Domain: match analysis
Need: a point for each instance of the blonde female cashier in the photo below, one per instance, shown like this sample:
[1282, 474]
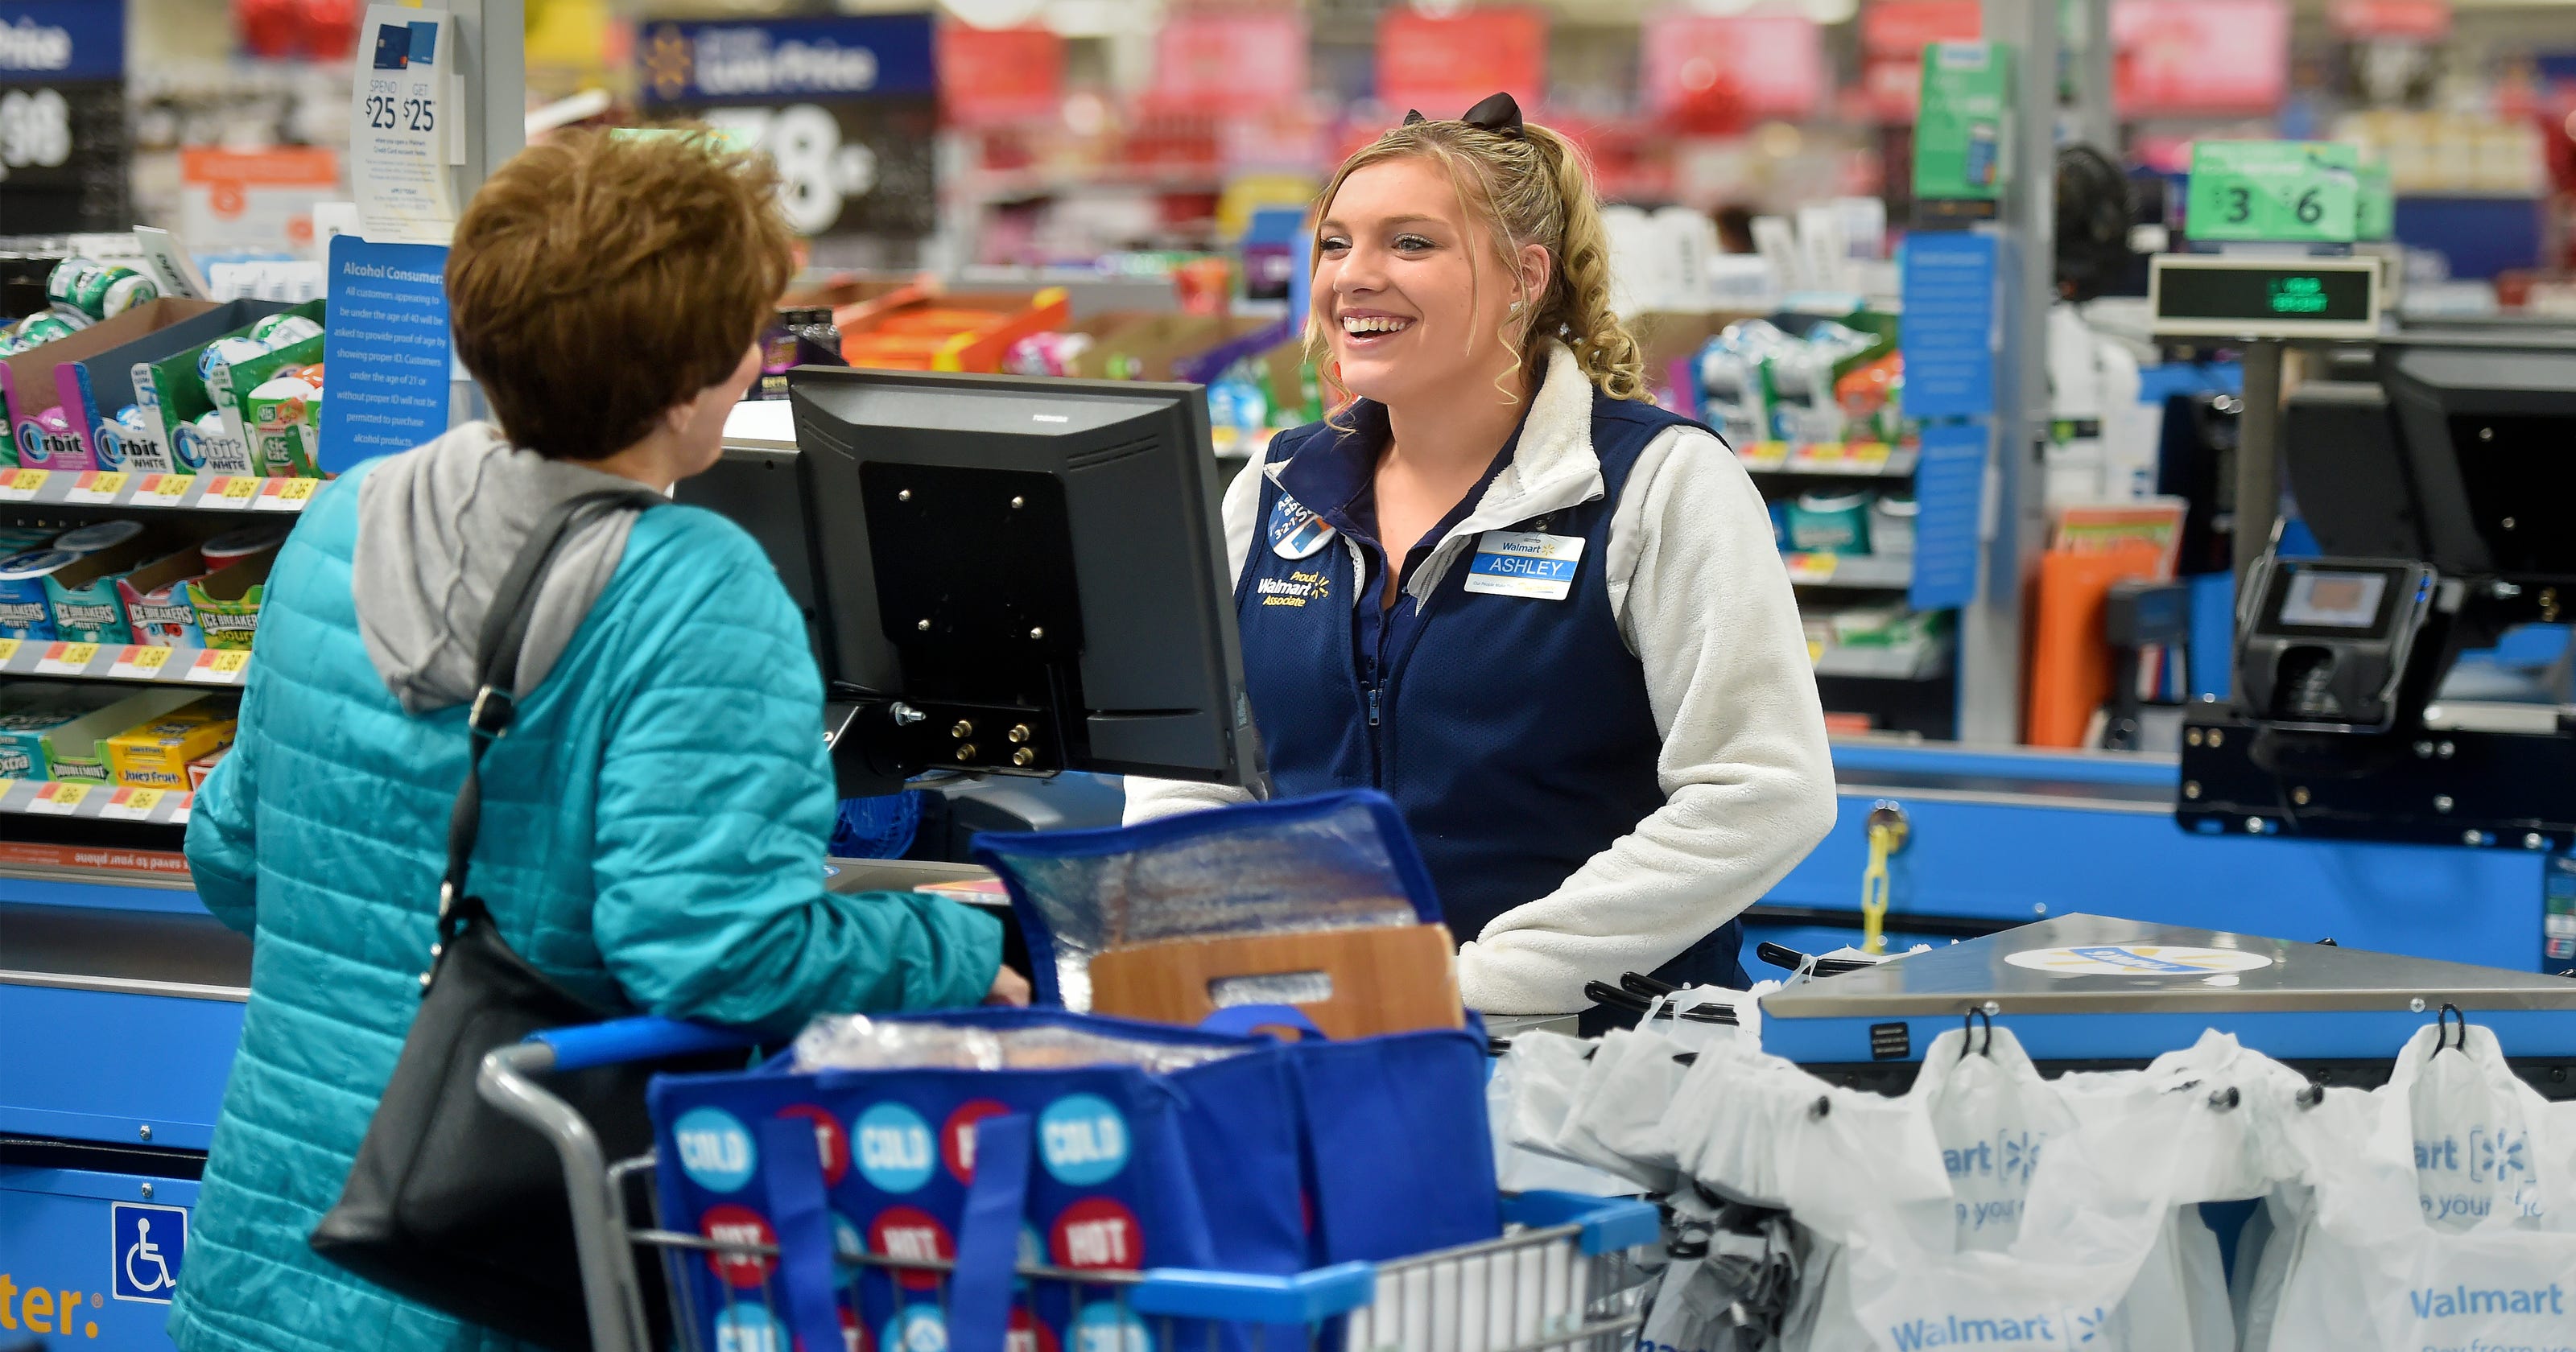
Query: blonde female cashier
[1544, 616]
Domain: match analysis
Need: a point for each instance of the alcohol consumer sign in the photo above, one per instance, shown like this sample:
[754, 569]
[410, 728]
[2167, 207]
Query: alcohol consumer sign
[2286, 191]
[847, 107]
[63, 145]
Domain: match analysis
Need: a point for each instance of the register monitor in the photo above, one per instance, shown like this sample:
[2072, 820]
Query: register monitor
[2439, 495]
[1019, 575]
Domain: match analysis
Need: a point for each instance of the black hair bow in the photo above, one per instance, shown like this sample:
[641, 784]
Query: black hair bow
[1498, 114]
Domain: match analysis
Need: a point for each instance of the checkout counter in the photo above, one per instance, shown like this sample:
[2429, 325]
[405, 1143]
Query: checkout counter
[123, 1000]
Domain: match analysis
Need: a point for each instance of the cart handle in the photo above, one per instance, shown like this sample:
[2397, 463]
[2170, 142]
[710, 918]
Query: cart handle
[1301, 1298]
[645, 1038]
[1609, 1223]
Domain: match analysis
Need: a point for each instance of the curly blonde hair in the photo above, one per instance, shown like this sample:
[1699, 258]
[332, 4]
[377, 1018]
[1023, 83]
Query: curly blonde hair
[1529, 188]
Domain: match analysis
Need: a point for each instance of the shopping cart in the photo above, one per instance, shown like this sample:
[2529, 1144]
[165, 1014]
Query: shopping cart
[1563, 1276]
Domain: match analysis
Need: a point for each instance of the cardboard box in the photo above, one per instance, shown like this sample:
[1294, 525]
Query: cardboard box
[156, 755]
[176, 395]
[29, 382]
[87, 606]
[100, 383]
[203, 766]
[52, 729]
[227, 601]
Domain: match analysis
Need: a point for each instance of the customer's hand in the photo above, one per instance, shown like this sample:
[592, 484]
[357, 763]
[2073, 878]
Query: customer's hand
[1009, 988]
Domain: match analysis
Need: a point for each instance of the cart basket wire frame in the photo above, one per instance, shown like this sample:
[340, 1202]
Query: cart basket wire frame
[1562, 1278]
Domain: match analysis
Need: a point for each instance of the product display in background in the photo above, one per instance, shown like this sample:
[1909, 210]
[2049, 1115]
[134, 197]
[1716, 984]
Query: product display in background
[64, 144]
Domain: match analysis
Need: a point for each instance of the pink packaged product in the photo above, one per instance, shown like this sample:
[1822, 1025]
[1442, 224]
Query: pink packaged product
[47, 441]
[156, 600]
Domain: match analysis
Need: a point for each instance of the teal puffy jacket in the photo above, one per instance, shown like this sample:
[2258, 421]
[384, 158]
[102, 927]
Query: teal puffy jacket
[653, 833]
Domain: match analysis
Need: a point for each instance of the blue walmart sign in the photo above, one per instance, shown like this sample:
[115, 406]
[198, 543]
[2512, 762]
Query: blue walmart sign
[51, 40]
[800, 58]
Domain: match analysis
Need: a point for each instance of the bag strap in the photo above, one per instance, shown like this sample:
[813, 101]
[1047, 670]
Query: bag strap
[496, 662]
[988, 1236]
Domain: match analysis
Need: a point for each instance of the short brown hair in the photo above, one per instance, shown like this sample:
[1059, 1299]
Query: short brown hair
[595, 281]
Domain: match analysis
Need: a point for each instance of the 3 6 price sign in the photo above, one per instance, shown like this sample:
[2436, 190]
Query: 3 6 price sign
[2289, 191]
[63, 146]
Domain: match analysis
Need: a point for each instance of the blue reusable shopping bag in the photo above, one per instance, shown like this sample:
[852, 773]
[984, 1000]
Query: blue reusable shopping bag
[1119, 1168]
[1398, 1157]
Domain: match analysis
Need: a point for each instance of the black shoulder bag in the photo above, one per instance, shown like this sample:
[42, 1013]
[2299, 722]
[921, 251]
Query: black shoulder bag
[450, 1203]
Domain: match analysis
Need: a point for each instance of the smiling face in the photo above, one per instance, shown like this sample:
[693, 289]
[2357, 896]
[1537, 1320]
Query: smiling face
[1409, 289]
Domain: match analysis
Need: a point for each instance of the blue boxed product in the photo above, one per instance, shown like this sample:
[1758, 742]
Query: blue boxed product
[25, 611]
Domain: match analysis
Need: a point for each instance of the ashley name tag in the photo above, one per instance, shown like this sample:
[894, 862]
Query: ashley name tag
[1525, 563]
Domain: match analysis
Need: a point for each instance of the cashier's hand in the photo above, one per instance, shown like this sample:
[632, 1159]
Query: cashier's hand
[1009, 988]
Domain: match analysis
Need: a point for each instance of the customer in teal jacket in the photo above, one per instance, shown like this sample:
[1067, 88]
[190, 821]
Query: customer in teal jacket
[653, 823]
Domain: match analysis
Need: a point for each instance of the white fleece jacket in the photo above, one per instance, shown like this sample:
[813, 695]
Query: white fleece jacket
[1704, 602]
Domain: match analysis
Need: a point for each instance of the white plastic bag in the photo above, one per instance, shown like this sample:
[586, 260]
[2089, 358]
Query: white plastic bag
[1527, 1098]
[2444, 1212]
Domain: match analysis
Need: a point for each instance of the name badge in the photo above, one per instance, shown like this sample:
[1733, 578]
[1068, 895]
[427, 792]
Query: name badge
[1296, 532]
[1525, 563]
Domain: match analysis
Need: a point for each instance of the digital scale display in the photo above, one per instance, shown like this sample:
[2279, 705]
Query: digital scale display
[2224, 297]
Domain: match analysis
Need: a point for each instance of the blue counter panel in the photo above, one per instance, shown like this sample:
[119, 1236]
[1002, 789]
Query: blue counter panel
[1979, 856]
[88, 1260]
[101, 896]
[97, 1066]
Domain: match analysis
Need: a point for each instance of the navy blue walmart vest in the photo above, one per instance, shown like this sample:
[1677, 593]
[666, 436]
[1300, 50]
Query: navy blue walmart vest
[1513, 731]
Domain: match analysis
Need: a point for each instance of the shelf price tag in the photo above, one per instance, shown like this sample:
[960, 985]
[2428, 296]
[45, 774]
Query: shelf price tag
[179, 814]
[97, 487]
[286, 495]
[9, 650]
[22, 485]
[2291, 191]
[1868, 456]
[133, 805]
[220, 666]
[66, 659]
[1813, 567]
[163, 490]
[139, 663]
[1763, 455]
[59, 797]
[229, 493]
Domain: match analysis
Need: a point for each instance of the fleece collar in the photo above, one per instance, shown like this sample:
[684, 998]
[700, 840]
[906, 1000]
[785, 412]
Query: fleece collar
[1550, 465]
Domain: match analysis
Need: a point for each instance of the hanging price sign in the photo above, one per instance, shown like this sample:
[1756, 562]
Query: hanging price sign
[63, 145]
[401, 117]
[2288, 191]
[846, 107]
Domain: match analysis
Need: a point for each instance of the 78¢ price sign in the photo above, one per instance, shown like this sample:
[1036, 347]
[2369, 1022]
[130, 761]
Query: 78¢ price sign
[844, 165]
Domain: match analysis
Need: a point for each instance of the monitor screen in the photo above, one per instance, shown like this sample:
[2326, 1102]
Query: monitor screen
[2333, 600]
[1033, 568]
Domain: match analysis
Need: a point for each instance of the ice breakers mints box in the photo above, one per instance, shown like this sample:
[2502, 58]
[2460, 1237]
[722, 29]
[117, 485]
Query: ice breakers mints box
[25, 610]
[155, 597]
[227, 602]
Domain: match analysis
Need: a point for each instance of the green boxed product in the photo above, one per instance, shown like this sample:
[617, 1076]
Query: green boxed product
[52, 730]
[183, 387]
[1963, 135]
[2288, 191]
[227, 601]
[87, 604]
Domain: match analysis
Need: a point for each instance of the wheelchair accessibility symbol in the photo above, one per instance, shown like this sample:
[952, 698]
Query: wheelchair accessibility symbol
[150, 1246]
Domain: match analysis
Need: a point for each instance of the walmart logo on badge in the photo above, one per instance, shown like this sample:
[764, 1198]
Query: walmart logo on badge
[895, 1148]
[1082, 1140]
[1530, 564]
[715, 1152]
